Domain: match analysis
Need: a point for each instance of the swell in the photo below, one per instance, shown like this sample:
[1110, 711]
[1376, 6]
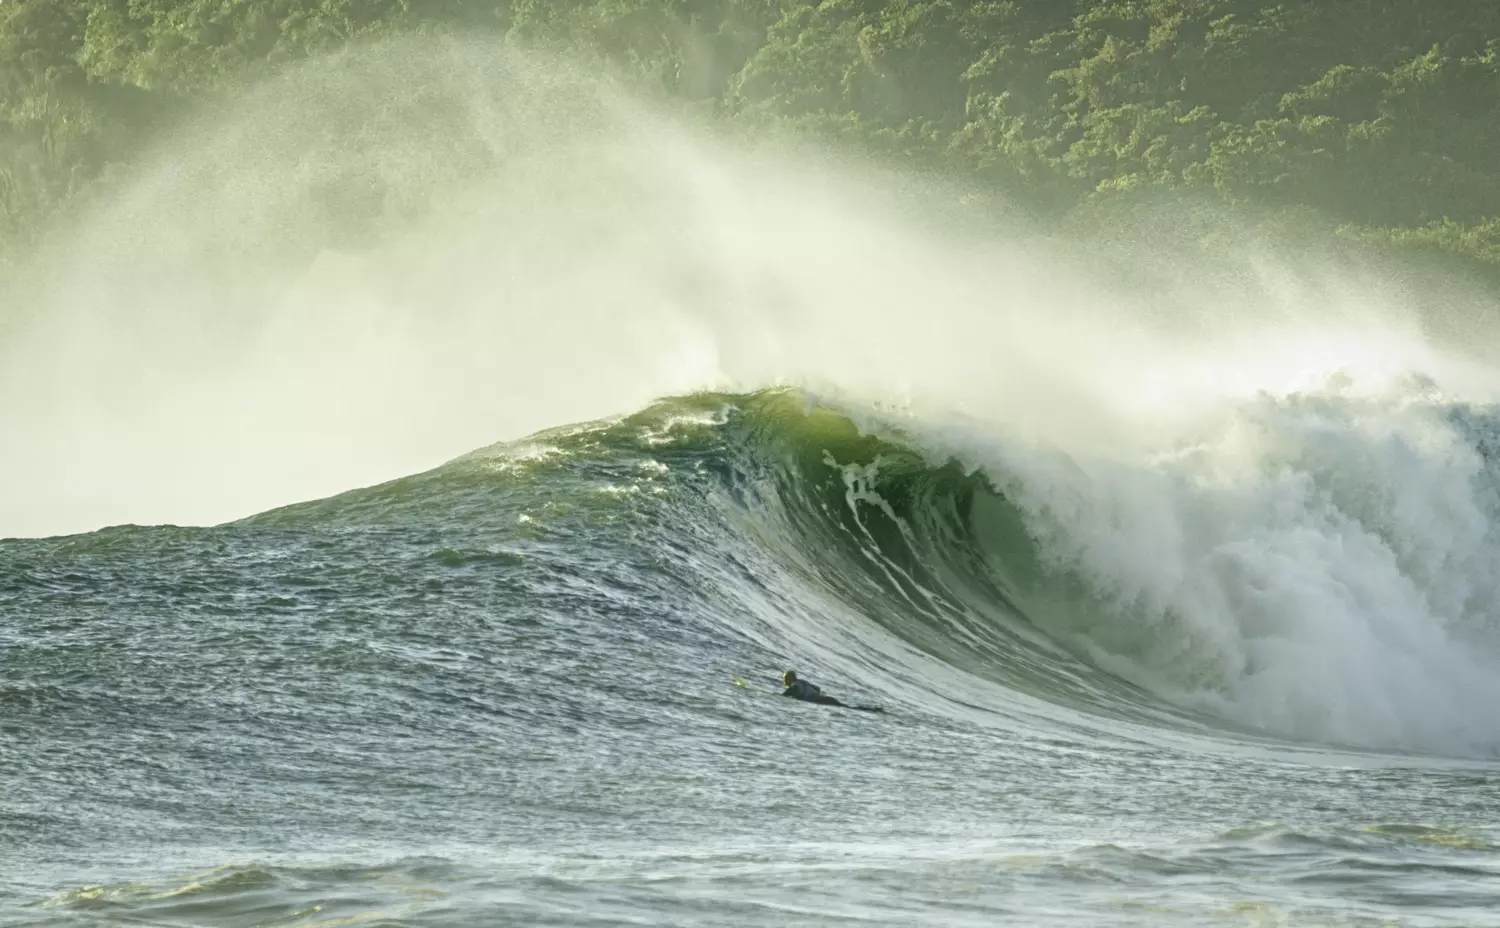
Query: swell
[1315, 572]
[1163, 592]
[846, 553]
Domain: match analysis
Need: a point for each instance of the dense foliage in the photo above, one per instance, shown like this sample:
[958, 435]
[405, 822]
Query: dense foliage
[1383, 114]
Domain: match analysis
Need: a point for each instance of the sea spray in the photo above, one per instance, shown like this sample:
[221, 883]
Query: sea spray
[390, 255]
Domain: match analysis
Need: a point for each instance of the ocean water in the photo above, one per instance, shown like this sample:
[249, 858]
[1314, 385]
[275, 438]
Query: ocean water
[537, 685]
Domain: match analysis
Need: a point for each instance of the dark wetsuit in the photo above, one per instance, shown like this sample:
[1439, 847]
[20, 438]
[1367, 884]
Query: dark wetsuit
[808, 693]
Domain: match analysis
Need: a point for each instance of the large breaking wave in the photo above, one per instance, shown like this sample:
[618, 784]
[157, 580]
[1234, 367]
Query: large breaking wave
[1126, 478]
[1318, 568]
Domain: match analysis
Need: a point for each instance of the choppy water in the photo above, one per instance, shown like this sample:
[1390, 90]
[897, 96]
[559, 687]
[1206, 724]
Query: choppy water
[502, 692]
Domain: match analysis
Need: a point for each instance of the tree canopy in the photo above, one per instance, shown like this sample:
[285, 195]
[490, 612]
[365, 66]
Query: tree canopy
[1381, 114]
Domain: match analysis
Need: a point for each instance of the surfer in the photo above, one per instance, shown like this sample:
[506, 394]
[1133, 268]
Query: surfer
[805, 691]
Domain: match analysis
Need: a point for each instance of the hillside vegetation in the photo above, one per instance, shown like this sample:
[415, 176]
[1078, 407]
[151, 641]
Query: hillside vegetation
[1383, 115]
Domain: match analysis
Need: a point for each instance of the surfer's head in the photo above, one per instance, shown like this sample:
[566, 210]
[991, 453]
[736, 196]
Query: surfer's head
[788, 678]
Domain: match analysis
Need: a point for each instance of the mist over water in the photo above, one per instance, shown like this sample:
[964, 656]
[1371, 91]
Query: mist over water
[393, 255]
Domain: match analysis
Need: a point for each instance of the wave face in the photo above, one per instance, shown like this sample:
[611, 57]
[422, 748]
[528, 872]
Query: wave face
[1316, 569]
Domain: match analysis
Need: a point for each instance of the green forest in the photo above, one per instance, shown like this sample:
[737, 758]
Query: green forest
[1381, 115]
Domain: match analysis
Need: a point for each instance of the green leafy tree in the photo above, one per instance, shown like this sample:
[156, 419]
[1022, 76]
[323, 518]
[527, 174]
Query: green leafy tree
[1382, 114]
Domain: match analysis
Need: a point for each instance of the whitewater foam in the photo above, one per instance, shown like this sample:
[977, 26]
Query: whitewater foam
[1318, 565]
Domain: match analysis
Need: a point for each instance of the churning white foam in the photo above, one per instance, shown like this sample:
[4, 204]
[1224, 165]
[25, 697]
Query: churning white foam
[1320, 564]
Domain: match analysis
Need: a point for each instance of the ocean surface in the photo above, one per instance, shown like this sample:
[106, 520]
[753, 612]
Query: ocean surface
[538, 685]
